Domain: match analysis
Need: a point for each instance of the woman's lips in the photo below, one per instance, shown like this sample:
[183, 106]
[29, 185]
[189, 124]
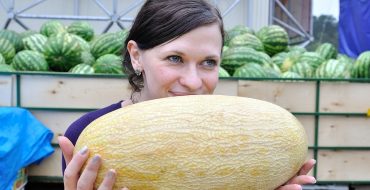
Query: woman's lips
[180, 93]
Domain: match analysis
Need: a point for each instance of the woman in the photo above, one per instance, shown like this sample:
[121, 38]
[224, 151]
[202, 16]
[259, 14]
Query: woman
[173, 49]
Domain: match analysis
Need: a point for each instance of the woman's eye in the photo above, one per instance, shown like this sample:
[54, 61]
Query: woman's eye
[174, 58]
[210, 64]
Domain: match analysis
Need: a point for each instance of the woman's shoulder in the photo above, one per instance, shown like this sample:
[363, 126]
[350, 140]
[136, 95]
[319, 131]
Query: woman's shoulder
[75, 129]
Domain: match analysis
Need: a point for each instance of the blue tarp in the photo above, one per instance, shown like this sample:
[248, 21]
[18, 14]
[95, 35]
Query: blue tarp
[354, 27]
[23, 141]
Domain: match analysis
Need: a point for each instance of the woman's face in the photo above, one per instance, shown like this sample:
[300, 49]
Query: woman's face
[187, 65]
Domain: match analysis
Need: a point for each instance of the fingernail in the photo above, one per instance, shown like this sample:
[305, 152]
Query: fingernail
[312, 179]
[111, 173]
[300, 187]
[83, 150]
[125, 188]
[314, 161]
[96, 159]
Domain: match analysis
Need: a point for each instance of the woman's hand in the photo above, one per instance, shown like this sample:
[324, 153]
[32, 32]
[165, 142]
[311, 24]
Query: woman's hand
[73, 179]
[296, 182]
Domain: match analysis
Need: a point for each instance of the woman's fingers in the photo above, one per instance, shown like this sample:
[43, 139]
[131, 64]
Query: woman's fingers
[108, 181]
[67, 148]
[302, 180]
[72, 171]
[88, 176]
[290, 187]
[307, 167]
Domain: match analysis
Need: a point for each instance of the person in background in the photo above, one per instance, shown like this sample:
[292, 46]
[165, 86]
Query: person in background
[173, 49]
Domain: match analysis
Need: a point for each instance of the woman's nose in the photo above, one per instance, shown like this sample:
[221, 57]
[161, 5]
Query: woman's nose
[191, 79]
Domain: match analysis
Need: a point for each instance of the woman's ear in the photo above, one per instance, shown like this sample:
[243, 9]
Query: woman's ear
[134, 52]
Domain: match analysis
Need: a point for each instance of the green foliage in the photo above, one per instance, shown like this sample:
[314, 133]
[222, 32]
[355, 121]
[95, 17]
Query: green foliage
[325, 29]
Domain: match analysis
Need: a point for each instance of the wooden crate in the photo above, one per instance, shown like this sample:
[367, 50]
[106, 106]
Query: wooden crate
[58, 100]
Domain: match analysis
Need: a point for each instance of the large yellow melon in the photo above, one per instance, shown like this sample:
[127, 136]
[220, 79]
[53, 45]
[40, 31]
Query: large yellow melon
[198, 142]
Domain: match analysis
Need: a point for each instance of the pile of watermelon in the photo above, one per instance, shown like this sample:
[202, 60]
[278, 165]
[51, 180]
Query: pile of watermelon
[262, 54]
[267, 54]
[58, 48]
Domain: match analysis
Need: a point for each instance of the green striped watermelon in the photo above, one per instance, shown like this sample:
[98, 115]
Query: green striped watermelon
[62, 52]
[83, 43]
[110, 43]
[272, 70]
[332, 68]
[87, 58]
[278, 59]
[238, 56]
[251, 70]
[224, 49]
[82, 29]
[2, 60]
[27, 33]
[298, 49]
[52, 27]
[222, 72]
[361, 68]
[345, 58]
[290, 74]
[290, 60]
[7, 50]
[82, 69]
[247, 40]
[235, 31]
[109, 64]
[13, 37]
[35, 42]
[6, 68]
[303, 68]
[312, 58]
[327, 51]
[28, 60]
[274, 38]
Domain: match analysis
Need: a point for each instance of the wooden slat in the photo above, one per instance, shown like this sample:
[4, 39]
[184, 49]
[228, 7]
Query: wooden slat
[6, 90]
[69, 92]
[50, 166]
[57, 121]
[344, 165]
[308, 123]
[293, 96]
[344, 97]
[344, 131]
[227, 87]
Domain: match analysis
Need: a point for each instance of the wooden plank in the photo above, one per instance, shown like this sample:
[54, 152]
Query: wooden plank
[308, 123]
[343, 165]
[72, 92]
[310, 156]
[57, 121]
[344, 97]
[344, 131]
[227, 87]
[50, 166]
[293, 96]
[6, 90]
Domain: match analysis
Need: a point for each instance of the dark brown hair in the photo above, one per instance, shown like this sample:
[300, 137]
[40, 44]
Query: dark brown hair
[160, 21]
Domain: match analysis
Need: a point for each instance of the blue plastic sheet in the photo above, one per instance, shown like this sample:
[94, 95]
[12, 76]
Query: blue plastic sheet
[354, 27]
[23, 141]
